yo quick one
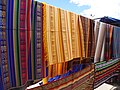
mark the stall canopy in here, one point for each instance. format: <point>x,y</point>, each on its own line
<point>110,20</point>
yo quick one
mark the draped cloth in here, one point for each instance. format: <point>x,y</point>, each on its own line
<point>33,9</point>
<point>116,42</point>
<point>100,40</point>
<point>38,40</point>
<point>59,43</point>
<point>23,41</point>
<point>16,42</point>
<point>49,34</point>
<point>96,31</point>
<point>82,48</point>
<point>108,39</point>
<point>45,48</point>
<point>84,22</point>
<point>91,39</point>
<point>10,5</point>
<point>29,38</point>
<point>4,66</point>
<point>87,27</point>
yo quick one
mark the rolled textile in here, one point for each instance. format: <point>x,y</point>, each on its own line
<point>100,42</point>
<point>4,63</point>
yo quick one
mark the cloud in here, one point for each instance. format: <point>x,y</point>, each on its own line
<point>99,8</point>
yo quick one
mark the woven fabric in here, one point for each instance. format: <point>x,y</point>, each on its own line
<point>64,35</point>
<point>23,41</point>
<point>45,49</point>
<point>108,40</point>
<point>38,40</point>
<point>16,42</point>
<point>87,27</point>
<point>116,44</point>
<point>104,71</point>
<point>69,35</point>
<point>4,66</point>
<point>10,5</point>
<point>29,38</point>
<point>59,42</point>
<point>79,80</point>
<point>100,40</point>
<point>84,22</point>
<point>91,39</point>
<point>33,10</point>
<point>96,31</point>
<point>82,47</point>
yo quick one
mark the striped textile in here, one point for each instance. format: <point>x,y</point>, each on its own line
<point>16,42</point>
<point>104,70</point>
<point>89,37</point>
<point>33,10</point>
<point>59,43</point>
<point>23,41</point>
<point>84,22</point>
<point>38,40</point>
<point>108,39</point>
<point>4,67</point>
<point>45,48</point>
<point>82,47</point>
<point>96,31</point>
<point>51,40</point>
<point>29,39</point>
<point>10,5</point>
<point>116,42</point>
<point>63,20</point>
<point>100,40</point>
<point>79,80</point>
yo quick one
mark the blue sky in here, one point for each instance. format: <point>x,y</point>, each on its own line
<point>98,8</point>
<point>66,5</point>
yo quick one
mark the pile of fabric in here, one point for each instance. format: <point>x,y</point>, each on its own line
<point>106,70</point>
<point>81,80</point>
